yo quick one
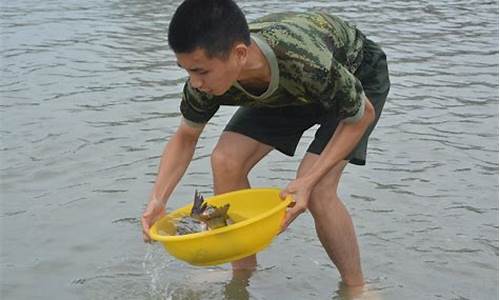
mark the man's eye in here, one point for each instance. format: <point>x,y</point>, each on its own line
<point>203,72</point>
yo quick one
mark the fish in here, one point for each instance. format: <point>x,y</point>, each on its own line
<point>203,217</point>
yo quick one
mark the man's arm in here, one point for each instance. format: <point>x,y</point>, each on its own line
<point>174,162</point>
<point>345,138</point>
<point>175,159</point>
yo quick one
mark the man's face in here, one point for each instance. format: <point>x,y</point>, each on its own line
<point>210,75</point>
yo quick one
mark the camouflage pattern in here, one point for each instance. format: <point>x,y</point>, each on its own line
<point>317,55</point>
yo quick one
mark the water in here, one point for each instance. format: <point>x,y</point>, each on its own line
<point>90,94</point>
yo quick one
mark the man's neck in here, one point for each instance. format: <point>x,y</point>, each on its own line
<point>257,72</point>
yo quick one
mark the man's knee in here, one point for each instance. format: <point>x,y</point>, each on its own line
<point>321,197</point>
<point>225,162</point>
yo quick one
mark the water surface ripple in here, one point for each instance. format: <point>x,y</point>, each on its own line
<point>90,93</point>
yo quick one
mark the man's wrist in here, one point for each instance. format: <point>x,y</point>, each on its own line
<point>318,171</point>
<point>157,201</point>
<point>311,179</point>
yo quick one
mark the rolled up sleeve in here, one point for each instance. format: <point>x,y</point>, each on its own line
<point>360,113</point>
<point>197,107</point>
<point>347,98</point>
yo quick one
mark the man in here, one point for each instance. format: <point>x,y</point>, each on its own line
<point>288,72</point>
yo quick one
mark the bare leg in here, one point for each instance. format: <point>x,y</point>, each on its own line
<point>233,158</point>
<point>333,223</point>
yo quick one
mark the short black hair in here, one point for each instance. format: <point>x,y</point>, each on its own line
<point>212,25</point>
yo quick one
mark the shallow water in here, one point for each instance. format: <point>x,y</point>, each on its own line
<point>90,93</point>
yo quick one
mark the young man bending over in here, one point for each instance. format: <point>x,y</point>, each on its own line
<point>287,72</point>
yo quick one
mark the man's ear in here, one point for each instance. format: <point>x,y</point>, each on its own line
<point>241,52</point>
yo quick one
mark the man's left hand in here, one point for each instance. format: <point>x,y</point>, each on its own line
<point>300,189</point>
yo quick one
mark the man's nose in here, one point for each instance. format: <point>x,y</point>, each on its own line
<point>195,82</point>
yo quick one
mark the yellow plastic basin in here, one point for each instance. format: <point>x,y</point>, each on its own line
<point>257,214</point>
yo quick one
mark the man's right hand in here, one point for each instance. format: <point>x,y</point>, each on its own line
<point>175,159</point>
<point>153,212</point>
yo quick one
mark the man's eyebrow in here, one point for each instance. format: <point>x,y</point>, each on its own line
<point>192,70</point>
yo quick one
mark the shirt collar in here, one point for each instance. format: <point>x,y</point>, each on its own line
<point>273,63</point>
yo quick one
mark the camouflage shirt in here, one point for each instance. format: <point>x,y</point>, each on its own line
<point>313,57</point>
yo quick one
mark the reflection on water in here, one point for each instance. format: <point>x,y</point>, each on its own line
<point>365,292</point>
<point>236,288</point>
<point>89,94</point>
<point>221,283</point>
<point>213,285</point>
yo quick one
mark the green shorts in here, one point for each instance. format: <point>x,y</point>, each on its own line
<point>283,127</point>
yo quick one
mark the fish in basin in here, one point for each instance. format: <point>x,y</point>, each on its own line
<point>203,217</point>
